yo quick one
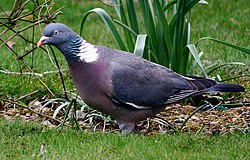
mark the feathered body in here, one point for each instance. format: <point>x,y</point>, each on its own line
<point>121,84</point>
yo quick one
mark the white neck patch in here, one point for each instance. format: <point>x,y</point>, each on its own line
<point>88,52</point>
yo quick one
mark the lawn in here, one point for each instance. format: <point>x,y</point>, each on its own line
<point>224,20</point>
<point>19,140</point>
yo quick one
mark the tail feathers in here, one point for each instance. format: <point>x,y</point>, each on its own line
<point>222,87</point>
<point>202,83</point>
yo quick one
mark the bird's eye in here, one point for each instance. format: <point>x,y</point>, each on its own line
<point>56,32</point>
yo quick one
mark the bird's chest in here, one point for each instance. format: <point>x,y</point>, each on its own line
<point>92,82</point>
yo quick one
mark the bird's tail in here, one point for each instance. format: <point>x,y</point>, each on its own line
<point>222,87</point>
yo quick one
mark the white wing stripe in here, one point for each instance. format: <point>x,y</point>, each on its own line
<point>136,106</point>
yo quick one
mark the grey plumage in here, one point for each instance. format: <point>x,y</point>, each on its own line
<point>121,84</point>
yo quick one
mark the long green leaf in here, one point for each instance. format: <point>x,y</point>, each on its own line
<point>128,37</point>
<point>59,108</point>
<point>243,49</point>
<point>67,113</point>
<point>109,23</point>
<point>51,101</point>
<point>116,5</point>
<point>165,27</point>
<point>185,61</point>
<point>168,5</point>
<point>150,25</point>
<point>178,30</point>
<point>193,63</point>
<point>140,44</point>
<point>125,27</point>
<point>225,64</point>
<point>132,16</point>
<point>203,2</point>
<point>195,54</point>
<point>189,5</point>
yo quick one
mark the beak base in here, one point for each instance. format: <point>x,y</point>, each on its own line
<point>41,41</point>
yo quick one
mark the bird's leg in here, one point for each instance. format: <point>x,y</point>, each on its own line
<point>126,127</point>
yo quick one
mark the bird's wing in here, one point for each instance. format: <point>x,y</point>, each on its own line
<point>141,84</point>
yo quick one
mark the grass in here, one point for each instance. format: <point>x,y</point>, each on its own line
<point>16,85</point>
<point>225,20</point>
<point>207,20</point>
<point>19,140</point>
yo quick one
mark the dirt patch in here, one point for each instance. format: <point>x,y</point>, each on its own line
<point>211,121</point>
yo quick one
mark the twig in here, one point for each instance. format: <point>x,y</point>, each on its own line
<point>60,72</point>
<point>38,78</point>
<point>3,32</point>
<point>26,95</point>
<point>21,30</point>
<point>29,73</point>
<point>163,120</point>
<point>213,107</point>
<point>236,104</point>
<point>38,113</point>
<point>30,70</point>
<point>18,73</point>
<point>11,29</point>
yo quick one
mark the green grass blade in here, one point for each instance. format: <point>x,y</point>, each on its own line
<point>109,23</point>
<point>242,49</point>
<point>116,5</point>
<point>163,55</point>
<point>49,102</point>
<point>193,63</point>
<point>150,26</point>
<point>128,37</point>
<point>190,116</point>
<point>132,16</point>
<point>66,113</point>
<point>189,5</point>
<point>235,77</point>
<point>178,30</point>
<point>225,64</point>
<point>165,27</point>
<point>185,62</point>
<point>59,108</point>
<point>168,5</point>
<point>151,8</point>
<point>140,44</point>
<point>203,2</point>
<point>125,27</point>
<point>196,56</point>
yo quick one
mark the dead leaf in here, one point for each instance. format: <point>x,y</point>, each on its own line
<point>11,43</point>
<point>29,17</point>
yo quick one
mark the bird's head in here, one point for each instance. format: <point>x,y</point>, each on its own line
<point>68,42</point>
<point>56,34</point>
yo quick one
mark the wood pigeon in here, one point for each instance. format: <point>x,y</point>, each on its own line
<point>121,84</point>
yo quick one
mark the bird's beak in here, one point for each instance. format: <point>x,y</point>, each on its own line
<point>41,41</point>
